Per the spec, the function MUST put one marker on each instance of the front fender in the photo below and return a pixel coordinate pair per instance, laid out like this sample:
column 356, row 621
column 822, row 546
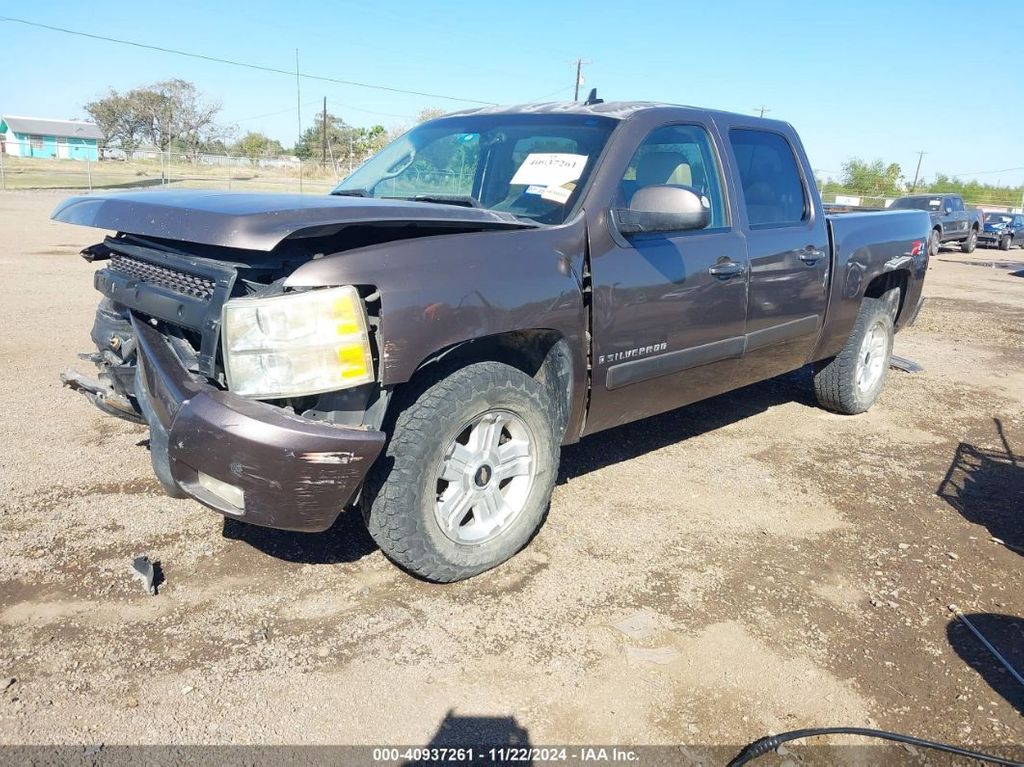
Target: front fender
column 439, row 291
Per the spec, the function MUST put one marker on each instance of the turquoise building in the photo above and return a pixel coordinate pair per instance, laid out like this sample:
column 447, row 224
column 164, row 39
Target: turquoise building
column 38, row 137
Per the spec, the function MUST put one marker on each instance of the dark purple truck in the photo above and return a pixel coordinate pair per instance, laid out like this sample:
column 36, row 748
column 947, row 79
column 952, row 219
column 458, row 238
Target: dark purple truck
column 491, row 286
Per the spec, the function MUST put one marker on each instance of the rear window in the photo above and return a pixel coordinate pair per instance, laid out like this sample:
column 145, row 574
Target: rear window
column 917, row 203
column 773, row 191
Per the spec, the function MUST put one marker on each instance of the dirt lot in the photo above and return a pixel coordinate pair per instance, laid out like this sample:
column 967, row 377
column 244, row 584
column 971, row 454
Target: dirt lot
column 746, row 565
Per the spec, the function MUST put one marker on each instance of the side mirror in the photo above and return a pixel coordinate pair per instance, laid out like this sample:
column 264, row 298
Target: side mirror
column 663, row 208
column 949, row 211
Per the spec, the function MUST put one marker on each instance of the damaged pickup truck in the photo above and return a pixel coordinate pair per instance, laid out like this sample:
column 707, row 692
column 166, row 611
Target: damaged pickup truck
column 493, row 285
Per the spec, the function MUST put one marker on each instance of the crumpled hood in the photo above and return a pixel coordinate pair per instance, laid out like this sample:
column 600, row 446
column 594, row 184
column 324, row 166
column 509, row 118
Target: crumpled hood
column 261, row 221
column 995, row 226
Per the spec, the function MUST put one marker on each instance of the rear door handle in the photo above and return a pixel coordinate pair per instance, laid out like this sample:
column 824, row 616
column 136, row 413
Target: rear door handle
column 811, row 256
column 726, row 269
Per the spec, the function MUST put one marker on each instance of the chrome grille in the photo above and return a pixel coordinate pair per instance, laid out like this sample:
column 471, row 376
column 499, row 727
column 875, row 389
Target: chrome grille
column 171, row 279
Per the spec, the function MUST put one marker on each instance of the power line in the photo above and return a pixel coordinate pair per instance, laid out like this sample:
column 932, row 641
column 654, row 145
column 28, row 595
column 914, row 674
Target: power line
column 986, row 172
column 244, row 64
column 552, row 93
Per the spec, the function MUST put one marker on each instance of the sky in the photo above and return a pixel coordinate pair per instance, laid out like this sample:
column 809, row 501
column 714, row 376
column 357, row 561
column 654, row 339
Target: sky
column 869, row 79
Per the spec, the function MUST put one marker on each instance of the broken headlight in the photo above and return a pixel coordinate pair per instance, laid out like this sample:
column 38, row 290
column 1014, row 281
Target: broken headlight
column 296, row 344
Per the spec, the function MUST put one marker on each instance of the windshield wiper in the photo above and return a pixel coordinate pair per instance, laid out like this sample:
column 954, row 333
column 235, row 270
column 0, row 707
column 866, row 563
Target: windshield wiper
column 463, row 200
column 351, row 192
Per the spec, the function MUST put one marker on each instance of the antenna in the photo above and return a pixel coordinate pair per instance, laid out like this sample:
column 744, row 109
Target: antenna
column 592, row 98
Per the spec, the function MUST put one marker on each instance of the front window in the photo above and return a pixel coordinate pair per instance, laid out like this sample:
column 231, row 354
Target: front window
column 917, row 203
column 530, row 166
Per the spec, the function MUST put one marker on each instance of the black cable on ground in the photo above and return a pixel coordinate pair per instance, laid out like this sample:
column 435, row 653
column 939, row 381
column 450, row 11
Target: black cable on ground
column 764, row 745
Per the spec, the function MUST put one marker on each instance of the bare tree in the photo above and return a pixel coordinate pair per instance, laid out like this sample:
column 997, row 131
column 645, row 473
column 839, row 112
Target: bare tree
column 162, row 113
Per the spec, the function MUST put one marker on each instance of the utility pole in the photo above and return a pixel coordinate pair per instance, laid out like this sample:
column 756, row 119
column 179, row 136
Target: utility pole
column 917, row 173
column 579, row 77
column 761, row 110
column 323, row 159
column 298, row 110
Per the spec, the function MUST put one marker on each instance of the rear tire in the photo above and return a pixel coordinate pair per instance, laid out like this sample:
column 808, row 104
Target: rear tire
column 968, row 245
column 1004, row 243
column 467, row 475
column 851, row 382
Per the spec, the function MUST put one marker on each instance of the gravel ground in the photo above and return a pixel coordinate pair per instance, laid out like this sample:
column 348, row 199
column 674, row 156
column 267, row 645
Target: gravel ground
column 746, row 565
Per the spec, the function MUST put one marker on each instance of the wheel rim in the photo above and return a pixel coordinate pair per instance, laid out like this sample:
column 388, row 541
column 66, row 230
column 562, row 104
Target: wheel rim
column 972, row 239
column 484, row 477
column 872, row 358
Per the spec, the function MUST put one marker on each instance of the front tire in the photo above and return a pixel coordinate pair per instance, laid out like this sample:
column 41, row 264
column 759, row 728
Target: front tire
column 466, row 478
column 851, row 382
column 934, row 242
column 968, row 245
column 1004, row 243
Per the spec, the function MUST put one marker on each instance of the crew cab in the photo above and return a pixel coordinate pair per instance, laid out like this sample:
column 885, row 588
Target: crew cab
column 491, row 286
column 1002, row 230
column 952, row 221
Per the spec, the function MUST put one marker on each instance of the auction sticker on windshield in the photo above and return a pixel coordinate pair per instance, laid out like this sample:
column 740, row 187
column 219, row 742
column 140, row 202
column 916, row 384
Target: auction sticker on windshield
column 550, row 169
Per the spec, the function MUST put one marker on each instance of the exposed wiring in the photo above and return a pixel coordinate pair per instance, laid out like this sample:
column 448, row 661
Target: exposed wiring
column 761, row 747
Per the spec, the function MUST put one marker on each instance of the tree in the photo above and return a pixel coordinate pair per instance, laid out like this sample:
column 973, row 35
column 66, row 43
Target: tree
column 311, row 143
column 344, row 142
column 257, row 146
column 167, row 112
column 122, row 126
column 430, row 113
column 875, row 179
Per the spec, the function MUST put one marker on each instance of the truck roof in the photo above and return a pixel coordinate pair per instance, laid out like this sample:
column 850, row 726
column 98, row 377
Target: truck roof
column 617, row 110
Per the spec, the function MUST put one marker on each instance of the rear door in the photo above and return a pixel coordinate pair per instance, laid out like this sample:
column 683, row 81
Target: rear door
column 669, row 308
column 787, row 247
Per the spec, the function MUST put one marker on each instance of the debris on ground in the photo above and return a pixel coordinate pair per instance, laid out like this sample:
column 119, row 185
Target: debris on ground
column 902, row 363
column 146, row 571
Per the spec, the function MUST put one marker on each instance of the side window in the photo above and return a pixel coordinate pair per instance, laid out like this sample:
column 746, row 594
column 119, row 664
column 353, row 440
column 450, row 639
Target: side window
column 772, row 190
column 958, row 204
column 678, row 155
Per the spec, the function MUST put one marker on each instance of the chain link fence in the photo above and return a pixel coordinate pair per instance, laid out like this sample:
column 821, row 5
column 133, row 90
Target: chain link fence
column 151, row 168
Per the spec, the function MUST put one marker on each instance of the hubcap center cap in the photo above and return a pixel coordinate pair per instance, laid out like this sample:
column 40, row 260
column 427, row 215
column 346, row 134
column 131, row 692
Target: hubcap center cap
column 483, row 475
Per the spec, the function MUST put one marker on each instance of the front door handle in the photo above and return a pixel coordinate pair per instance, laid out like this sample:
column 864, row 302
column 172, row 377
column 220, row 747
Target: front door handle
column 811, row 256
column 726, row 269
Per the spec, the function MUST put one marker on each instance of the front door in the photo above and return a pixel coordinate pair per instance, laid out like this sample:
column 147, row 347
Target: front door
column 668, row 308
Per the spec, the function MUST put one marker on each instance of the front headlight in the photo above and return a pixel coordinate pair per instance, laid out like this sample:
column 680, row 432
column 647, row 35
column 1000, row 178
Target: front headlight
column 296, row 344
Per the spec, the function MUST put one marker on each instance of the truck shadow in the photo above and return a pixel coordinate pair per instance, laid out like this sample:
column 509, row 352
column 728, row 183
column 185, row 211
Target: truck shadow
column 347, row 540
column 987, row 487
column 1006, row 634
column 623, row 443
column 481, row 733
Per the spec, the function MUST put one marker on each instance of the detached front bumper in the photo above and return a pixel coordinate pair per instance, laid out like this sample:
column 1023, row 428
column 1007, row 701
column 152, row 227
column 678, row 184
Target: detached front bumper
column 293, row 473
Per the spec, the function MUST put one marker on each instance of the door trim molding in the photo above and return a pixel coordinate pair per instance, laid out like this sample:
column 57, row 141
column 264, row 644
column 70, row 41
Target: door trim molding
column 781, row 333
column 658, row 365
column 635, row 371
